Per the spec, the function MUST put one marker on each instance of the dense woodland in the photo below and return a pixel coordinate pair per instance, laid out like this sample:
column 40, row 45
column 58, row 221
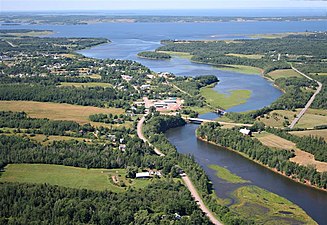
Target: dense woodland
column 158, row 203
column 255, row 150
column 154, row 55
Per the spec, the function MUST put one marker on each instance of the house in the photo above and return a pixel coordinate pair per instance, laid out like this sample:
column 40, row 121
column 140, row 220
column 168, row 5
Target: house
column 245, row 131
column 143, row 175
column 122, row 147
column 145, row 86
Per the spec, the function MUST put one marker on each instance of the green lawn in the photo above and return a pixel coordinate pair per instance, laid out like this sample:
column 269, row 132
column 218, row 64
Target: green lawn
column 241, row 69
column 267, row 208
column 216, row 99
column 72, row 177
column 226, row 175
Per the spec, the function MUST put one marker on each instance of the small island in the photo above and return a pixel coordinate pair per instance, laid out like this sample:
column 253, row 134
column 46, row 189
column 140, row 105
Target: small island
column 154, row 55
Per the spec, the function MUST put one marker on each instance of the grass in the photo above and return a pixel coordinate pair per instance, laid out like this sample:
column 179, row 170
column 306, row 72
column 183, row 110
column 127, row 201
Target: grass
column 252, row 56
column 226, row 175
column 318, row 133
column 312, row 118
column 72, row 177
column 301, row 157
column 267, row 208
column 241, row 69
column 216, row 99
column 283, row 74
column 45, row 140
column 200, row 110
column 184, row 55
column 32, row 33
column 56, row 111
column 79, row 85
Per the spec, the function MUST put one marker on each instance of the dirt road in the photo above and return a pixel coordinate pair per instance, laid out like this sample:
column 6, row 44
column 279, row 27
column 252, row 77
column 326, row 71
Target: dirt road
column 301, row 113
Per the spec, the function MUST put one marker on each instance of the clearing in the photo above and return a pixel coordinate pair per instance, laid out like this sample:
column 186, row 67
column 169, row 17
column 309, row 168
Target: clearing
column 241, row 69
column 252, row 56
column 56, row 111
column 283, row 74
column 224, row 101
column 71, row 177
column 301, row 157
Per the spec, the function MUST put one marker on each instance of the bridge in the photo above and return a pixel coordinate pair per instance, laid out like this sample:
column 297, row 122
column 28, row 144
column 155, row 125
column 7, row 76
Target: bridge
column 199, row 121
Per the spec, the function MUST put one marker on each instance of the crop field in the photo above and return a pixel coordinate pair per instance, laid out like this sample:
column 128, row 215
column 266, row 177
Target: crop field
column 253, row 56
column 225, row 101
column 283, row 74
column 301, row 157
column 318, row 133
column 72, row 177
column 56, row 111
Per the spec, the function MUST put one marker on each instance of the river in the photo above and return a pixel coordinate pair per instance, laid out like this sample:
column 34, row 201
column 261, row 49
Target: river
column 130, row 38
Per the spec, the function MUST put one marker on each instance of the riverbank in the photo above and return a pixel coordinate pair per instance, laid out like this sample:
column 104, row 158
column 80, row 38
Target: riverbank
column 261, row 164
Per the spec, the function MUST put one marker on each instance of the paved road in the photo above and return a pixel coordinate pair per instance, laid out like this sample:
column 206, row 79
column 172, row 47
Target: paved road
column 301, row 113
column 185, row 178
column 141, row 136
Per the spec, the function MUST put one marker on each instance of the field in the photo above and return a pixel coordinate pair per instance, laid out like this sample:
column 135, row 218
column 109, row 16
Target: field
column 254, row 56
column 301, row 157
column 78, row 85
column 226, row 175
column 72, row 177
column 278, row 35
column 32, row 33
column 318, row 133
column 56, row 111
column 184, row 55
column 225, row 101
column 241, row 69
column 267, row 208
column 283, row 74
column 312, row 118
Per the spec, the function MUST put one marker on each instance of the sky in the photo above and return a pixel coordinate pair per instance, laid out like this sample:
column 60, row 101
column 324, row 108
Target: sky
column 50, row 5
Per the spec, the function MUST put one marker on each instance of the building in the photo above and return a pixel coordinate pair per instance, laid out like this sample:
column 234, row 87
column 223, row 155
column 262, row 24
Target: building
column 245, row 131
column 143, row 175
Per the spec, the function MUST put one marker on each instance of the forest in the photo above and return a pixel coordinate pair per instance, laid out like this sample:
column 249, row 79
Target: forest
column 255, row 150
column 162, row 202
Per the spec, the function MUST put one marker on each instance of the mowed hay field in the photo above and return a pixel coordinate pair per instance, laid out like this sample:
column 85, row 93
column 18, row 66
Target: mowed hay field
column 67, row 176
column 56, row 111
column 283, row 74
column 80, row 85
column 318, row 133
column 301, row 157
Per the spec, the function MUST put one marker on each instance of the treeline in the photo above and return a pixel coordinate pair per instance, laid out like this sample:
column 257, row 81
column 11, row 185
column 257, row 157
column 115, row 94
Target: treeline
column 110, row 118
column 187, row 163
column 154, row 55
column 295, row 96
column 89, row 96
column 158, row 203
column 314, row 145
column 255, row 150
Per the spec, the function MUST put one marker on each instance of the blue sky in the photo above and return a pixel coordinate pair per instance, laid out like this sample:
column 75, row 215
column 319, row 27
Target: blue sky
column 37, row 5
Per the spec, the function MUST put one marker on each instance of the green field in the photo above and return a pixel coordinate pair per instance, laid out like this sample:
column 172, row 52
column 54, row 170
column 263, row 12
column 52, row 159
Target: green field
column 216, row 99
column 226, row 175
column 267, row 208
column 279, row 35
column 241, row 69
column 283, row 74
column 184, row 55
column 72, row 177
column 252, row 56
column 79, row 85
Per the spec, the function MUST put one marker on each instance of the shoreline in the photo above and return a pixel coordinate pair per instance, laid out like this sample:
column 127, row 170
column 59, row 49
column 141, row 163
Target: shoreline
column 261, row 164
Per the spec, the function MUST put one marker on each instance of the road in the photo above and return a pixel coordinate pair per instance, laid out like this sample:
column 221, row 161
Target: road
column 301, row 113
column 185, row 178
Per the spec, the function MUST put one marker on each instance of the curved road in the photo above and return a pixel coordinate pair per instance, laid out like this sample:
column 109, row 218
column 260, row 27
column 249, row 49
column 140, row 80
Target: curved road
column 298, row 117
column 185, row 178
